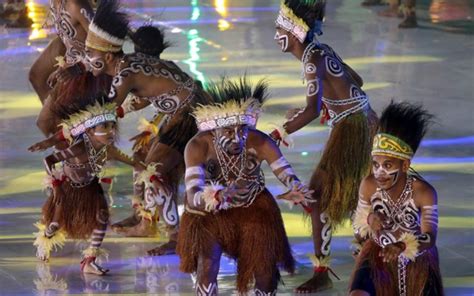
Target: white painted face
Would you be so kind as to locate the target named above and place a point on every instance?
(281, 37)
(387, 170)
(232, 138)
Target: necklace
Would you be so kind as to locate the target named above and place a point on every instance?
(95, 158)
(398, 206)
(230, 163)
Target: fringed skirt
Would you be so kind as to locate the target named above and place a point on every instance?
(77, 210)
(254, 236)
(344, 163)
(380, 278)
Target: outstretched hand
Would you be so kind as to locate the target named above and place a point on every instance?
(41, 146)
(299, 194)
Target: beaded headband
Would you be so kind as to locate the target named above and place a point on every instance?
(92, 116)
(209, 117)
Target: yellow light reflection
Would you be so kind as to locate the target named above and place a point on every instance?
(221, 7)
(223, 25)
(37, 15)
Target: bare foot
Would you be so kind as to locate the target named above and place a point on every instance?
(130, 221)
(88, 265)
(319, 282)
(168, 248)
(143, 228)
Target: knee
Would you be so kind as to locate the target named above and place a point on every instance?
(33, 75)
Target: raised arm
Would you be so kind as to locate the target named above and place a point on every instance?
(81, 12)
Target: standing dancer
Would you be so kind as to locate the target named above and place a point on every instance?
(160, 83)
(228, 209)
(397, 214)
(66, 52)
(334, 87)
(76, 206)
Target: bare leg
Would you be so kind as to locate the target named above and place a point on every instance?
(322, 234)
(166, 205)
(89, 264)
(208, 268)
(266, 283)
(410, 15)
(124, 226)
(44, 66)
(47, 121)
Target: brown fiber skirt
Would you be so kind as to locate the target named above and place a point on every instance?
(77, 210)
(254, 236)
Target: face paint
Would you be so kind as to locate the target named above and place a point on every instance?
(95, 63)
(386, 178)
(282, 40)
(104, 134)
(232, 140)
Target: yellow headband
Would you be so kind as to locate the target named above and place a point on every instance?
(388, 145)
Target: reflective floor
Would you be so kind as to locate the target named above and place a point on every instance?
(432, 64)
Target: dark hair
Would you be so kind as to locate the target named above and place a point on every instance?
(406, 121)
(226, 90)
(308, 10)
(149, 40)
(110, 19)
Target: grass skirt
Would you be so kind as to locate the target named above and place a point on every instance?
(343, 165)
(423, 276)
(254, 236)
(78, 210)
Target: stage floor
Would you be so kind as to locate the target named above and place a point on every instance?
(432, 64)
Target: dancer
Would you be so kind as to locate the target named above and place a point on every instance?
(63, 57)
(228, 209)
(397, 214)
(76, 206)
(336, 89)
(160, 83)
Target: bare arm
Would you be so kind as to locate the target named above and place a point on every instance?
(81, 12)
(297, 191)
(427, 201)
(113, 153)
(360, 223)
(71, 152)
(314, 74)
(194, 158)
(49, 142)
(121, 86)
